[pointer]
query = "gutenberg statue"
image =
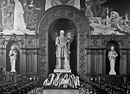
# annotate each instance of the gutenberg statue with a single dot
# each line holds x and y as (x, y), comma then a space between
(62, 51)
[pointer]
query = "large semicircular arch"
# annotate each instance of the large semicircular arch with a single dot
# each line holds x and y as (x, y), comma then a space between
(63, 11)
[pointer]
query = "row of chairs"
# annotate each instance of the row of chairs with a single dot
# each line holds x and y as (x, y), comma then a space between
(18, 87)
(106, 84)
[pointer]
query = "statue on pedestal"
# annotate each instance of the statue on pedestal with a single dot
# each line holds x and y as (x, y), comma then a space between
(62, 76)
(62, 51)
(13, 57)
(112, 54)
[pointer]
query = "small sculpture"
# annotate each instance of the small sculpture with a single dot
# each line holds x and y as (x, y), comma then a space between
(13, 57)
(112, 54)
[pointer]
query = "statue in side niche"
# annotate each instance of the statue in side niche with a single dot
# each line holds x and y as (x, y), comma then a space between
(112, 54)
(13, 57)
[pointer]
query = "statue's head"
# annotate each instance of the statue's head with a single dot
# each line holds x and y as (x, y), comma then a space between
(61, 32)
(114, 14)
(13, 47)
(112, 47)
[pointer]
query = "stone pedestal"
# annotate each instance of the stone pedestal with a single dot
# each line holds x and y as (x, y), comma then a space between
(62, 70)
(13, 76)
(60, 91)
(112, 68)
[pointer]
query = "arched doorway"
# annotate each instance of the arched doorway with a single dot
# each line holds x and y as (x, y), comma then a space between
(55, 27)
(8, 64)
(117, 62)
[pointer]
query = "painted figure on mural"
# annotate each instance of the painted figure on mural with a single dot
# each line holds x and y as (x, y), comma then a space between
(19, 23)
(31, 15)
(112, 54)
(13, 57)
(62, 51)
(62, 2)
(7, 15)
(51, 3)
(88, 11)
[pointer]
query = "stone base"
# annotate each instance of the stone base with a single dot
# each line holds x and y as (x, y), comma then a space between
(62, 70)
(60, 91)
(13, 71)
(62, 80)
(112, 72)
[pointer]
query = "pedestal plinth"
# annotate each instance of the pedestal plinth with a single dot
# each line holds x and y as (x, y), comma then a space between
(112, 68)
(62, 70)
(60, 91)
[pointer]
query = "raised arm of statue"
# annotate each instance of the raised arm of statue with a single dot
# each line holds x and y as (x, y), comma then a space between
(57, 42)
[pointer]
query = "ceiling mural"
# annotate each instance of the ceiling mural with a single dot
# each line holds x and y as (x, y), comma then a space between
(106, 16)
(20, 16)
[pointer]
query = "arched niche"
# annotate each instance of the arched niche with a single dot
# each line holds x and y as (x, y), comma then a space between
(69, 27)
(117, 62)
(81, 24)
(8, 64)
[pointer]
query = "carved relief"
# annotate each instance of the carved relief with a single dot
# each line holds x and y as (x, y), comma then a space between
(82, 38)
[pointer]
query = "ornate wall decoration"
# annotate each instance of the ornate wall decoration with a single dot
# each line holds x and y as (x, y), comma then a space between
(82, 26)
